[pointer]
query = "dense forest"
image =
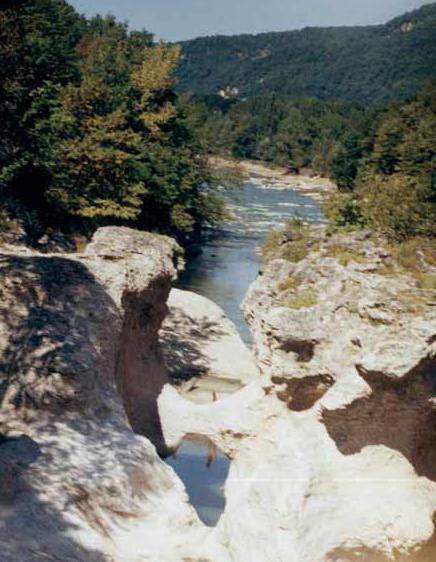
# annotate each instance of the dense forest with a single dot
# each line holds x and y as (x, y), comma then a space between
(95, 131)
(92, 132)
(369, 65)
(382, 159)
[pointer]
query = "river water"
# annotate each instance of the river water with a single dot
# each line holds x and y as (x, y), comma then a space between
(229, 262)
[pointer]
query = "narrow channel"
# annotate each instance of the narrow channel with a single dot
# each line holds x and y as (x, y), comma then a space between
(229, 262)
(230, 259)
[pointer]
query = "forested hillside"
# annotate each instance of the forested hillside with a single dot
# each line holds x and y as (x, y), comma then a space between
(355, 104)
(91, 129)
(369, 65)
(382, 159)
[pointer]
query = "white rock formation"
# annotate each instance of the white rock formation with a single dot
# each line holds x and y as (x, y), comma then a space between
(76, 484)
(202, 347)
(333, 448)
(334, 451)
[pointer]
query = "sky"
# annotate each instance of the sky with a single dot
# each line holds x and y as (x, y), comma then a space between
(176, 20)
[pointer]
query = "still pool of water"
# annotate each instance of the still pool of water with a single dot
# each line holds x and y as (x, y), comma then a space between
(203, 469)
(229, 261)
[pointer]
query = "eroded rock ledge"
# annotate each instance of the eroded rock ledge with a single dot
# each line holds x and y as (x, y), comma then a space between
(79, 351)
(333, 452)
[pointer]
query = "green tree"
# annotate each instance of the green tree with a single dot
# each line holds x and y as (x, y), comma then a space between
(38, 40)
(93, 131)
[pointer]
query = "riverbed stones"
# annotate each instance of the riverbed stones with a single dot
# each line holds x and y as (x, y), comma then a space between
(318, 187)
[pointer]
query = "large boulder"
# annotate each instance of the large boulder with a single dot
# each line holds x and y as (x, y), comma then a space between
(81, 367)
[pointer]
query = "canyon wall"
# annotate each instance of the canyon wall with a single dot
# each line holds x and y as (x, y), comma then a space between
(333, 449)
(80, 366)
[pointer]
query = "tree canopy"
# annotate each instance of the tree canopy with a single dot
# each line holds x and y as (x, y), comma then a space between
(92, 129)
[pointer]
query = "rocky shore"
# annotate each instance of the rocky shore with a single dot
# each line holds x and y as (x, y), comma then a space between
(331, 432)
(307, 182)
(333, 449)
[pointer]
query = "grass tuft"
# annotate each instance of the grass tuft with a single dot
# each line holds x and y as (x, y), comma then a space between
(304, 299)
(288, 284)
(344, 254)
(292, 243)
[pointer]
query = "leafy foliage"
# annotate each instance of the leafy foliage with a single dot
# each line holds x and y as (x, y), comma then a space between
(294, 99)
(92, 129)
(395, 189)
(306, 133)
(396, 186)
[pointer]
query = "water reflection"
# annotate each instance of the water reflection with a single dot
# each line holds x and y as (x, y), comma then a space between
(203, 469)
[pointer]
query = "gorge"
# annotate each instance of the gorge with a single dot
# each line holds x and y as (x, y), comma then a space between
(192, 371)
(330, 434)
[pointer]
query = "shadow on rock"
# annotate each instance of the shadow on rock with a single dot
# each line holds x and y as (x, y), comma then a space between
(68, 345)
(16, 454)
(53, 311)
(399, 413)
(183, 345)
(301, 394)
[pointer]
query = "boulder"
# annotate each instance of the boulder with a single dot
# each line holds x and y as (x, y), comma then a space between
(205, 356)
(80, 367)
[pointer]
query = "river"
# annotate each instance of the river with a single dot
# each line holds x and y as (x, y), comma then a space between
(230, 258)
(229, 262)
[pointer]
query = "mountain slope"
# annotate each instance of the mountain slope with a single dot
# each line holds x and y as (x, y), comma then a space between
(370, 64)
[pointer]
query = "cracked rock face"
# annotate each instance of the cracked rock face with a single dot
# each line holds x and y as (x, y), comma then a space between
(333, 451)
(78, 352)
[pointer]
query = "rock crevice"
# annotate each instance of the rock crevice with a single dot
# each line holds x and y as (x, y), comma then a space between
(333, 447)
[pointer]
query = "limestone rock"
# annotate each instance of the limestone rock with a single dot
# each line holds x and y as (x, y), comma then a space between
(333, 449)
(203, 351)
(371, 335)
(79, 347)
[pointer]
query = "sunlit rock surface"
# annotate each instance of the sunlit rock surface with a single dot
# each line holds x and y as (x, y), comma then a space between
(332, 447)
(205, 356)
(79, 348)
(333, 451)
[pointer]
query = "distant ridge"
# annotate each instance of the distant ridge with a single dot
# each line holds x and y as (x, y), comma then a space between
(368, 64)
